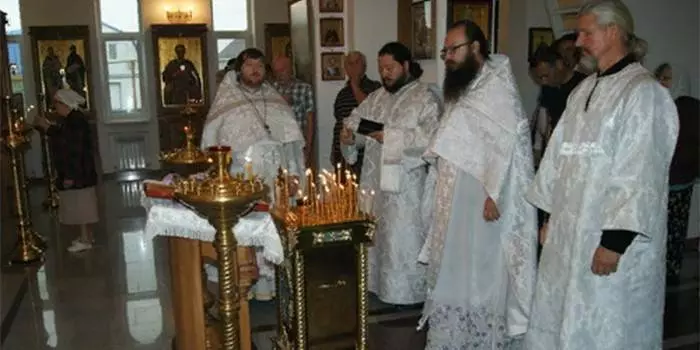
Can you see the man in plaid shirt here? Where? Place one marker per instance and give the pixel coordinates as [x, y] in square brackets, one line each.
[300, 96]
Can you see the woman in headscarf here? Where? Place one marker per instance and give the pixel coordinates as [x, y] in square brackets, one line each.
[683, 172]
[75, 165]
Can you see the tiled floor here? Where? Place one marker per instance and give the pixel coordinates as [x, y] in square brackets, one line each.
[116, 296]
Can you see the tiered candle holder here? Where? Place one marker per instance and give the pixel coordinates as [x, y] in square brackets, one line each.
[222, 199]
[325, 238]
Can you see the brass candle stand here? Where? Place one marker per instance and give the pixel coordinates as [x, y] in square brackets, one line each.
[51, 201]
[189, 159]
[222, 199]
[325, 239]
[30, 246]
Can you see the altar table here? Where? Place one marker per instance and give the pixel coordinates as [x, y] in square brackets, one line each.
[190, 239]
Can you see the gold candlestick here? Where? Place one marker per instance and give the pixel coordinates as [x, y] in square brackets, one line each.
[222, 199]
[187, 160]
[51, 201]
[29, 248]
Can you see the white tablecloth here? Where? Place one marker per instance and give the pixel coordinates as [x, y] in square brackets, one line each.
[169, 218]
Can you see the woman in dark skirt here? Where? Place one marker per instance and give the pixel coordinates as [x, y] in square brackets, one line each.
[75, 166]
[683, 173]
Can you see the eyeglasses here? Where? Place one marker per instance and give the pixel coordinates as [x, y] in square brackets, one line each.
[451, 50]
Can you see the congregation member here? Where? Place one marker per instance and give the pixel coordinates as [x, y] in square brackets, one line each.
[683, 173]
[481, 248]
[604, 182]
[300, 96]
[251, 117]
[558, 79]
[74, 159]
[393, 125]
[356, 90]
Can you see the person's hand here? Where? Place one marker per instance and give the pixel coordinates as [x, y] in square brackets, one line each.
[543, 232]
[490, 210]
[42, 123]
[604, 261]
[67, 183]
[378, 135]
[346, 136]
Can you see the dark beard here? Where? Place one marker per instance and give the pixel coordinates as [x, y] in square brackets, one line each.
[248, 83]
[401, 82]
[457, 79]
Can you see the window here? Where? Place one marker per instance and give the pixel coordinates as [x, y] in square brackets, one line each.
[121, 41]
[228, 49]
[112, 52]
[120, 16]
[14, 43]
[124, 72]
[229, 15]
[115, 96]
[14, 22]
[231, 30]
[14, 51]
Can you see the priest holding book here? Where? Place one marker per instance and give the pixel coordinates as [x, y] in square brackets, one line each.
[394, 125]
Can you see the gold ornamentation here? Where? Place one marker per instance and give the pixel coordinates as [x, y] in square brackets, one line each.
[188, 159]
[30, 245]
[222, 199]
[178, 16]
[299, 300]
[362, 304]
[331, 236]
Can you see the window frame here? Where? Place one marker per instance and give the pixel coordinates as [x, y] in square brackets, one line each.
[19, 39]
[103, 39]
[246, 35]
[228, 35]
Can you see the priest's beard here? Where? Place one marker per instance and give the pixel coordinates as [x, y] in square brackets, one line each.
[588, 64]
[398, 83]
[253, 83]
[458, 76]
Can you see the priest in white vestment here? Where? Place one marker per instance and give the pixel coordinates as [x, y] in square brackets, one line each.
[408, 111]
[604, 181]
[482, 246]
[258, 124]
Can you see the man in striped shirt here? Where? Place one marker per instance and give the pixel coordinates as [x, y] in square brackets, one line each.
[349, 97]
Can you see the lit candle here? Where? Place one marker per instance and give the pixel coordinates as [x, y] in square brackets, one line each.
[342, 201]
[327, 206]
[317, 206]
[309, 179]
[363, 201]
[338, 172]
[285, 178]
[249, 168]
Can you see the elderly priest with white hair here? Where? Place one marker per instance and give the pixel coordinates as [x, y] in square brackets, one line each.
[604, 182]
[253, 119]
